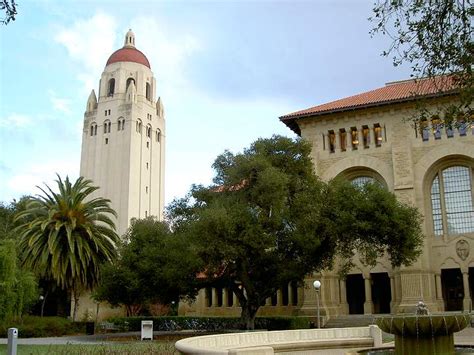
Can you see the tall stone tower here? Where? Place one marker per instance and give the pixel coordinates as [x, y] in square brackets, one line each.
[123, 142]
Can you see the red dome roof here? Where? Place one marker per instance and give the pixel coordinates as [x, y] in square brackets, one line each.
[128, 54]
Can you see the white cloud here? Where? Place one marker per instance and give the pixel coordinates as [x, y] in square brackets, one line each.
[15, 120]
[60, 104]
[25, 182]
[167, 51]
[90, 42]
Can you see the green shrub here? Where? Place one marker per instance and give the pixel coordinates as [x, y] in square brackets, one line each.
[36, 327]
[209, 323]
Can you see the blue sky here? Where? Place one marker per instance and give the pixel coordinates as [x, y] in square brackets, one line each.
[226, 70]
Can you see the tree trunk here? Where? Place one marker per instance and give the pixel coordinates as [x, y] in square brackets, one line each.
[249, 312]
[76, 304]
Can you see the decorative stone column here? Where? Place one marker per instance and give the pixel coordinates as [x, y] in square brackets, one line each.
[214, 297]
[279, 298]
[344, 304]
[467, 297]
[439, 291]
[393, 294]
[290, 294]
[368, 305]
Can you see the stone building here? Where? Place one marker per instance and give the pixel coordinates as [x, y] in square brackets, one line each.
[123, 141]
[370, 137]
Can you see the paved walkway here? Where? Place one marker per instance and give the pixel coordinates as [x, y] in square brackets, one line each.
[464, 337]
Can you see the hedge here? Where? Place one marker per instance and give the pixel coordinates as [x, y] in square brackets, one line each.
[37, 327]
[209, 323]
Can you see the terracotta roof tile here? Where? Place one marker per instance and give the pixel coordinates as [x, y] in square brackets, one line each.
[128, 54]
[392, 92]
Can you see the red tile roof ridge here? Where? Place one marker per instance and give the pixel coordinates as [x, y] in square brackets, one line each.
[396, 91]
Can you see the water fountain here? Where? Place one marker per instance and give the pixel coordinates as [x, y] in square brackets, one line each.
[423, 332]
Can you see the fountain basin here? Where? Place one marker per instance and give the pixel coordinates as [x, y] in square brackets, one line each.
[424, 334]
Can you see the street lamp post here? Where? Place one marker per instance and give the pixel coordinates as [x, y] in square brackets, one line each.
[317, 287]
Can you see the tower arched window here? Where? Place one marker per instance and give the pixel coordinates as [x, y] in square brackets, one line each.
[107, 126]
[148, 131]
[139, 126]
[130, 80]
[452, 204]
[121, 124]
[111, 87]
[93, 129]
[158, 135]
[148, 91]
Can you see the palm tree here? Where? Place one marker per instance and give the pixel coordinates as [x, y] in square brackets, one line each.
[67, 236]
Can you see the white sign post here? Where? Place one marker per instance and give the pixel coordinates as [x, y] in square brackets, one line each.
[12, 341]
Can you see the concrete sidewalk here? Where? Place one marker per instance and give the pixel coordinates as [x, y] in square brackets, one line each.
[464, 337]
[91, 339]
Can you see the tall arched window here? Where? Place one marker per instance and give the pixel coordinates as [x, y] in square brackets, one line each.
[452, 201]
[139, 126]
[148, 131]
[130, 80]
[111, 87]
[107, 126]
[93, 129]
[121, 124]
[148, 91]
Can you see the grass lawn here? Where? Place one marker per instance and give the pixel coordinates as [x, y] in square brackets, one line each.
[155, 347]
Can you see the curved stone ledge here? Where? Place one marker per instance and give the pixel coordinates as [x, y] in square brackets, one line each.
[267, 343]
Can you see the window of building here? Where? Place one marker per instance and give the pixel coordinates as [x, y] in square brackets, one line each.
[129, 81]
[148, 144]
[146, 189]
[343, 139]
[158, 134]
[120, 124]
[109, 112]
[452, 202]
[146, 214]
[424, 129]
[148, 131]
[106, 112]
[93, 129]
[449, 131]
[146, 166]
[354, 137]
[106, 141]
[436, 125]
[139, 126]
[360, 181]
[107, 126]
[111, 87]
[378, 135]
[462, 127]
[366, 136]
[148, 91]
[332, 141]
